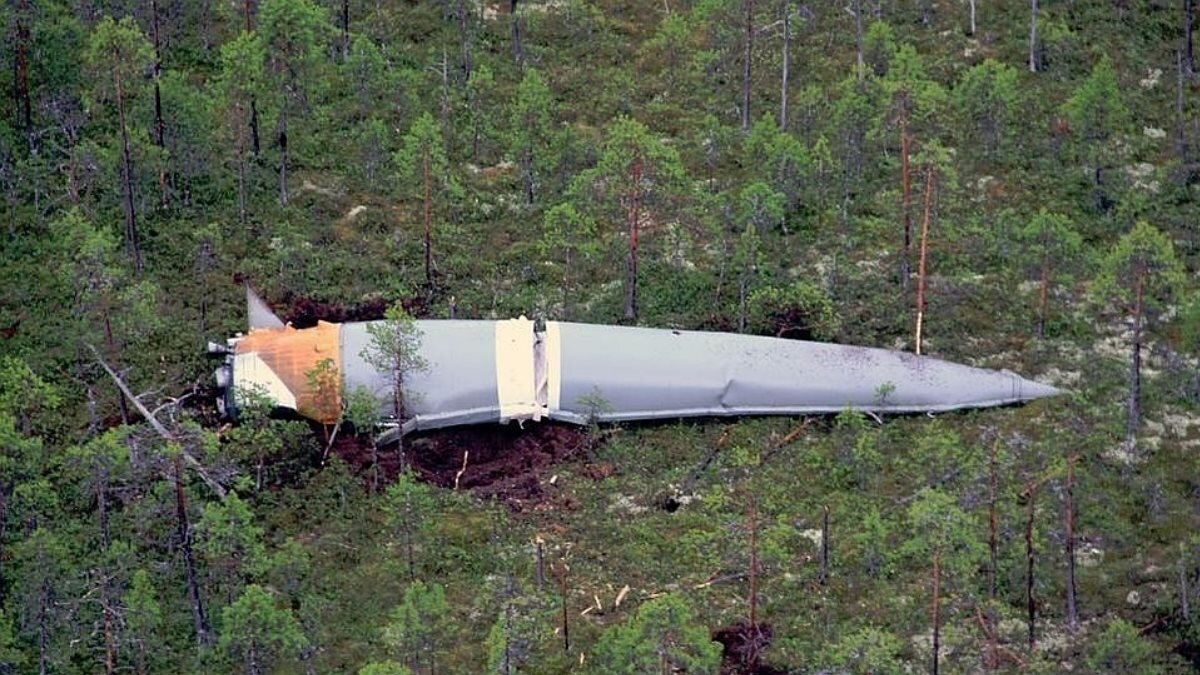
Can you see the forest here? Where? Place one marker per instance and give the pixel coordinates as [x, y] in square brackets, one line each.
[1010, 185]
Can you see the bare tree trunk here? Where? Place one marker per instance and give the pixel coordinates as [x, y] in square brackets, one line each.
[183, 531]
[464, 38]
[1189, 21]
[1184, 593]
[428, 215]
[993, 524]
[345, 29]
[1134, 419]
[562, 592]
[824, 544]
[972, 3]
[631, 310]
[527, 174]
[540, 567]
[159, 126]
[858, 35]
[518, 51]
[283, 154]
[1043, 296]
[241, 186]
[1033, 12]
[905, 195]
[254, 143]
[43, 627]
[993, 546]
[1181, 140]
[749, 52]
[929, 187]
[937, 609]
[787, 49]
[21, 95]
[1030, 558]
[751, 657]
[131, 239]
[1072, 614]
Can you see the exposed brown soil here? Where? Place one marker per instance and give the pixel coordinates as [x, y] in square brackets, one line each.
[743, 648]
[503, 462]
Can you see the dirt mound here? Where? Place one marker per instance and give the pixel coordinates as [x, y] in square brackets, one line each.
[503, 462]
[744, 645]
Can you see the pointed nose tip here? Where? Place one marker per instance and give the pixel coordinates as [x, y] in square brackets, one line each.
[1031, 390]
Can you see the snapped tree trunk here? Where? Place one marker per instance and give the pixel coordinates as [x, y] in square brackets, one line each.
[635, 202]
[929, 187]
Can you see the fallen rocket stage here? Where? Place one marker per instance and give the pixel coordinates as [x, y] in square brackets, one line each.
[489, 371]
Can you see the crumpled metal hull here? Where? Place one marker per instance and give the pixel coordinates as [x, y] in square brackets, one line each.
[498, 371]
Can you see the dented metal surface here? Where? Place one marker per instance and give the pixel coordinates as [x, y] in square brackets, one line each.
[488, 371]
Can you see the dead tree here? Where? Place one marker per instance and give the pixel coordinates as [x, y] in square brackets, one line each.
[203, 630]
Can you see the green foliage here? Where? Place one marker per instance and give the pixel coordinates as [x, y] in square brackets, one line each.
[384, 668]
[395, 350]
[987, 98]
[143, 621]
[531, 131]
[231, 540]
[257, 632]
[423, 152]
[117, 55]
[520, 634]
[419, 629]
[1119, 649]
[662, 632]
[1144, 258]
[866, 651]
[799, 309]
[1096, 109]
[939, 527]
